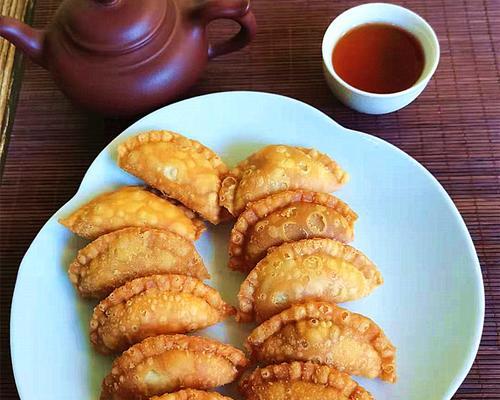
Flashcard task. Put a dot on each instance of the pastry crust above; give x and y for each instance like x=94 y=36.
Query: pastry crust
x=167 y=363
x=158 y=304
x=328 y=334
x=191 y=394
x=277 y=168
x=301 y=381
x=310 y=269
x=287 y=217
x=117 y=257
x=179 y=167
x=131 y=206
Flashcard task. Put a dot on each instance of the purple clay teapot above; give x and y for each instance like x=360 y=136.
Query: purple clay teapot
x=125 y=57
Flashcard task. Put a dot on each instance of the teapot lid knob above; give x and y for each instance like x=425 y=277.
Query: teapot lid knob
x=112 y=26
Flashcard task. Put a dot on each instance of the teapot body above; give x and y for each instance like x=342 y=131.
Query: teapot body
x=132 y=82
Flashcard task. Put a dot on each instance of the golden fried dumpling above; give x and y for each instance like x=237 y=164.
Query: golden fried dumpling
x=167 y=363
x=191 y=394
x=327 y=334
x=182 y=168
x=301 y=381
x=276 y=168
x=158 y=304
x=287 y=217
x=131 y=206
x=310 y=269
x=117 y=257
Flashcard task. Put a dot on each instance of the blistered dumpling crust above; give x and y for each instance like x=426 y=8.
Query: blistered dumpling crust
x=277 y=168
x=181 y=168
x=168 y=363
x=157 y=304
x=191 y=394
x=310 y=269
x=327 y=334
x=287 y=217
x=117 y=257
x=301 y=381
x=131 y=206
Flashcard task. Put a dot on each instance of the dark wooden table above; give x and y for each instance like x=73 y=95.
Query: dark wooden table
x=453 y=129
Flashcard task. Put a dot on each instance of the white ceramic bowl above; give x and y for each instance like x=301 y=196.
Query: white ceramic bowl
x=374 y=103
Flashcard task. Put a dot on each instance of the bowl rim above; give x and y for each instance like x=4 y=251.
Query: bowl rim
x=327 y=50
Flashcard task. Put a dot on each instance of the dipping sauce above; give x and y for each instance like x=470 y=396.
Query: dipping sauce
x=378 y=58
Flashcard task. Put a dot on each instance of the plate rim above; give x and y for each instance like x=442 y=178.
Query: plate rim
x=459 y=378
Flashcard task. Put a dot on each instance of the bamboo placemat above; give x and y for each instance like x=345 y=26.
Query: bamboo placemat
x=17 y=9
x=453 y=129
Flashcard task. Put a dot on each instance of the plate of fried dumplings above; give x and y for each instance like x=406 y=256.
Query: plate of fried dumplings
x=243 y=245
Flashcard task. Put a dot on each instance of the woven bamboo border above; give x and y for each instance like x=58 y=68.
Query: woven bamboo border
x=17 y=9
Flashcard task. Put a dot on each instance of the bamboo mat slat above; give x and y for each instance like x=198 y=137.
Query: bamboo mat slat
x=453 y=129
x=17 y=9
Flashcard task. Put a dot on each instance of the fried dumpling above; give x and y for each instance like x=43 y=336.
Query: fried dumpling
x=287 y=217
x=117 y=257
x=191 y=394
x=277 y=168
x=301 y=381
x=167 y=363
x=327 y=334
x=158 y=304
x=179 y=167
x=131 y=206
x=311 y=269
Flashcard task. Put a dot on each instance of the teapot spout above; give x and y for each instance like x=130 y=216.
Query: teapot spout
x=30 y=41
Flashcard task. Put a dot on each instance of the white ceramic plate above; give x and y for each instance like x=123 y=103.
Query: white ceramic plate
x=431 y=305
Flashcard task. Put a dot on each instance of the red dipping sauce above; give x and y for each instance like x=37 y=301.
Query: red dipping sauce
x=379 y=58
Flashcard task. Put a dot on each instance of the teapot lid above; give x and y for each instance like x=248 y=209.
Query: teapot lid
x=111 y=25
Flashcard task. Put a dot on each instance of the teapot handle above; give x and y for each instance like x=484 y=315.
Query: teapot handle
x=238 y=11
